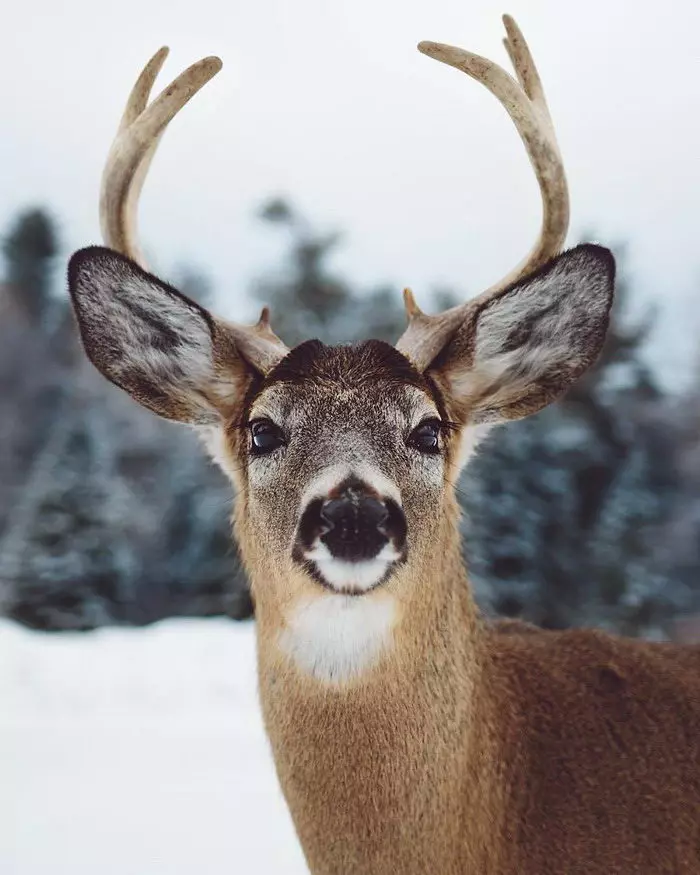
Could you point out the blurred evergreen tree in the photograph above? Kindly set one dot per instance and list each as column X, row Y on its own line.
column 30, row 249
column 107, row 514
column 564, row 508
column 65, row 549
column 309, row 301
column 574, row 516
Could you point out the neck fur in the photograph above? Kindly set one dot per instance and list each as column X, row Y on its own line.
column 343, row 743
column 424, row 614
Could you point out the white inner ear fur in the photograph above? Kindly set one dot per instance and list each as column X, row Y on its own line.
column 335, row 638
column 213, row 438
column 551, row 305
column 132, row 305
column 543, row 325
column 121, row 307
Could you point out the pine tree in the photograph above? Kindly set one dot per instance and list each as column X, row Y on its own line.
column 565, row 509
column 30, row 249
column 65, row 550
column 309, row 301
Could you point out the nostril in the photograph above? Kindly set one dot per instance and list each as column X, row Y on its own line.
column 333, row 512
column 374, row 511
column 348, row 515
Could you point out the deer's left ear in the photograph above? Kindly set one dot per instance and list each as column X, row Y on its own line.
column 523, row 348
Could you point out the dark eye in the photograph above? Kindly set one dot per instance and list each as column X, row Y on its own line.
column 426, row 437
column 266, row 437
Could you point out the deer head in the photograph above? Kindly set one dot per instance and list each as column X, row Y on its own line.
column 344, row 458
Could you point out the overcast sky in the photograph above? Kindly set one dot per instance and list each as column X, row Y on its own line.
column 330, row 104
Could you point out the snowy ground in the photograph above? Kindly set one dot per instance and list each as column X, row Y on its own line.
column 131, row 752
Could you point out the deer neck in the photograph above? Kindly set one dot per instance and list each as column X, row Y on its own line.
column 318, row 643
column 360, row 757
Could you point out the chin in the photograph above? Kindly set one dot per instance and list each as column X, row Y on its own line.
column 352, row 577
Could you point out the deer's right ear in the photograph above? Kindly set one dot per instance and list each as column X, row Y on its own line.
column 165, row 350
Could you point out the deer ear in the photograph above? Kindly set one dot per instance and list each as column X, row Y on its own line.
column 523, row 348
column 165, row 350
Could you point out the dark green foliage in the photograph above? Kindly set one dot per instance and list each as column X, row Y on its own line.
column 107, row 514
column 565, row 509
column 309, row 301
column 584, row 514
column 30, row 249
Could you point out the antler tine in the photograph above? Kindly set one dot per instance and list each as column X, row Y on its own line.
column 523, row 63
column 138, row 98
column 525, row 103
column 131, row 153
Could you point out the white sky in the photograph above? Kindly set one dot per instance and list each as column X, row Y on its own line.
column 330, row 104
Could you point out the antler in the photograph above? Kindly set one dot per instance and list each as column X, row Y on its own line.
column 139, row 133
column 140, row 129
column 525, row 103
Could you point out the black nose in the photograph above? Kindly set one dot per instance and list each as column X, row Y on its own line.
column 353, row 523
column 351, row 513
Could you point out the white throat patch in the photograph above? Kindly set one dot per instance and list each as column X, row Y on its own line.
column 336, row 637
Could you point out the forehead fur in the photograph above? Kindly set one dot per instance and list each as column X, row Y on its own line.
column 372, row 363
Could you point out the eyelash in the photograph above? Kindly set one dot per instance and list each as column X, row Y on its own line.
column 443, row 426
column 415, row 438
column 270, row 437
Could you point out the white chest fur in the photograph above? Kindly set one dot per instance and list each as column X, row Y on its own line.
column 337, row 637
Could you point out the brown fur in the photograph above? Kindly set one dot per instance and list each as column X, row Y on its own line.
column 466, row 748
column 485, row 748
column 477, row 748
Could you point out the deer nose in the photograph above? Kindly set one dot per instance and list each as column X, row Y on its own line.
column 350, row 513
column 351, row 523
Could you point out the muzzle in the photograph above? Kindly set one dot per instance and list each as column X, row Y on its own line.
column 351, row 539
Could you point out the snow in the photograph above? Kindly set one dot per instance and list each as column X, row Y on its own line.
column 137, row 751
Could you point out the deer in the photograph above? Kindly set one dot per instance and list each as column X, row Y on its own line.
column 410, row 733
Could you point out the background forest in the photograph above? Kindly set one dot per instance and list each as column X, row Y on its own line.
column 586, row 514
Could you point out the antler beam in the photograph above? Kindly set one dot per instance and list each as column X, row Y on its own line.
column 525, row 103
column 141, row 127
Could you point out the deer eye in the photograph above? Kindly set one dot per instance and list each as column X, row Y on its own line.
column 426, row 437
column 266, row 437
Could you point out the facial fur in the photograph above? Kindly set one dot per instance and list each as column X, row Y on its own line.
column 343, row 456
column 347, row 415
column 344, row 411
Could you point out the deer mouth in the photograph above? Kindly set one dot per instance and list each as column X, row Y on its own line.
column 351, row 577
